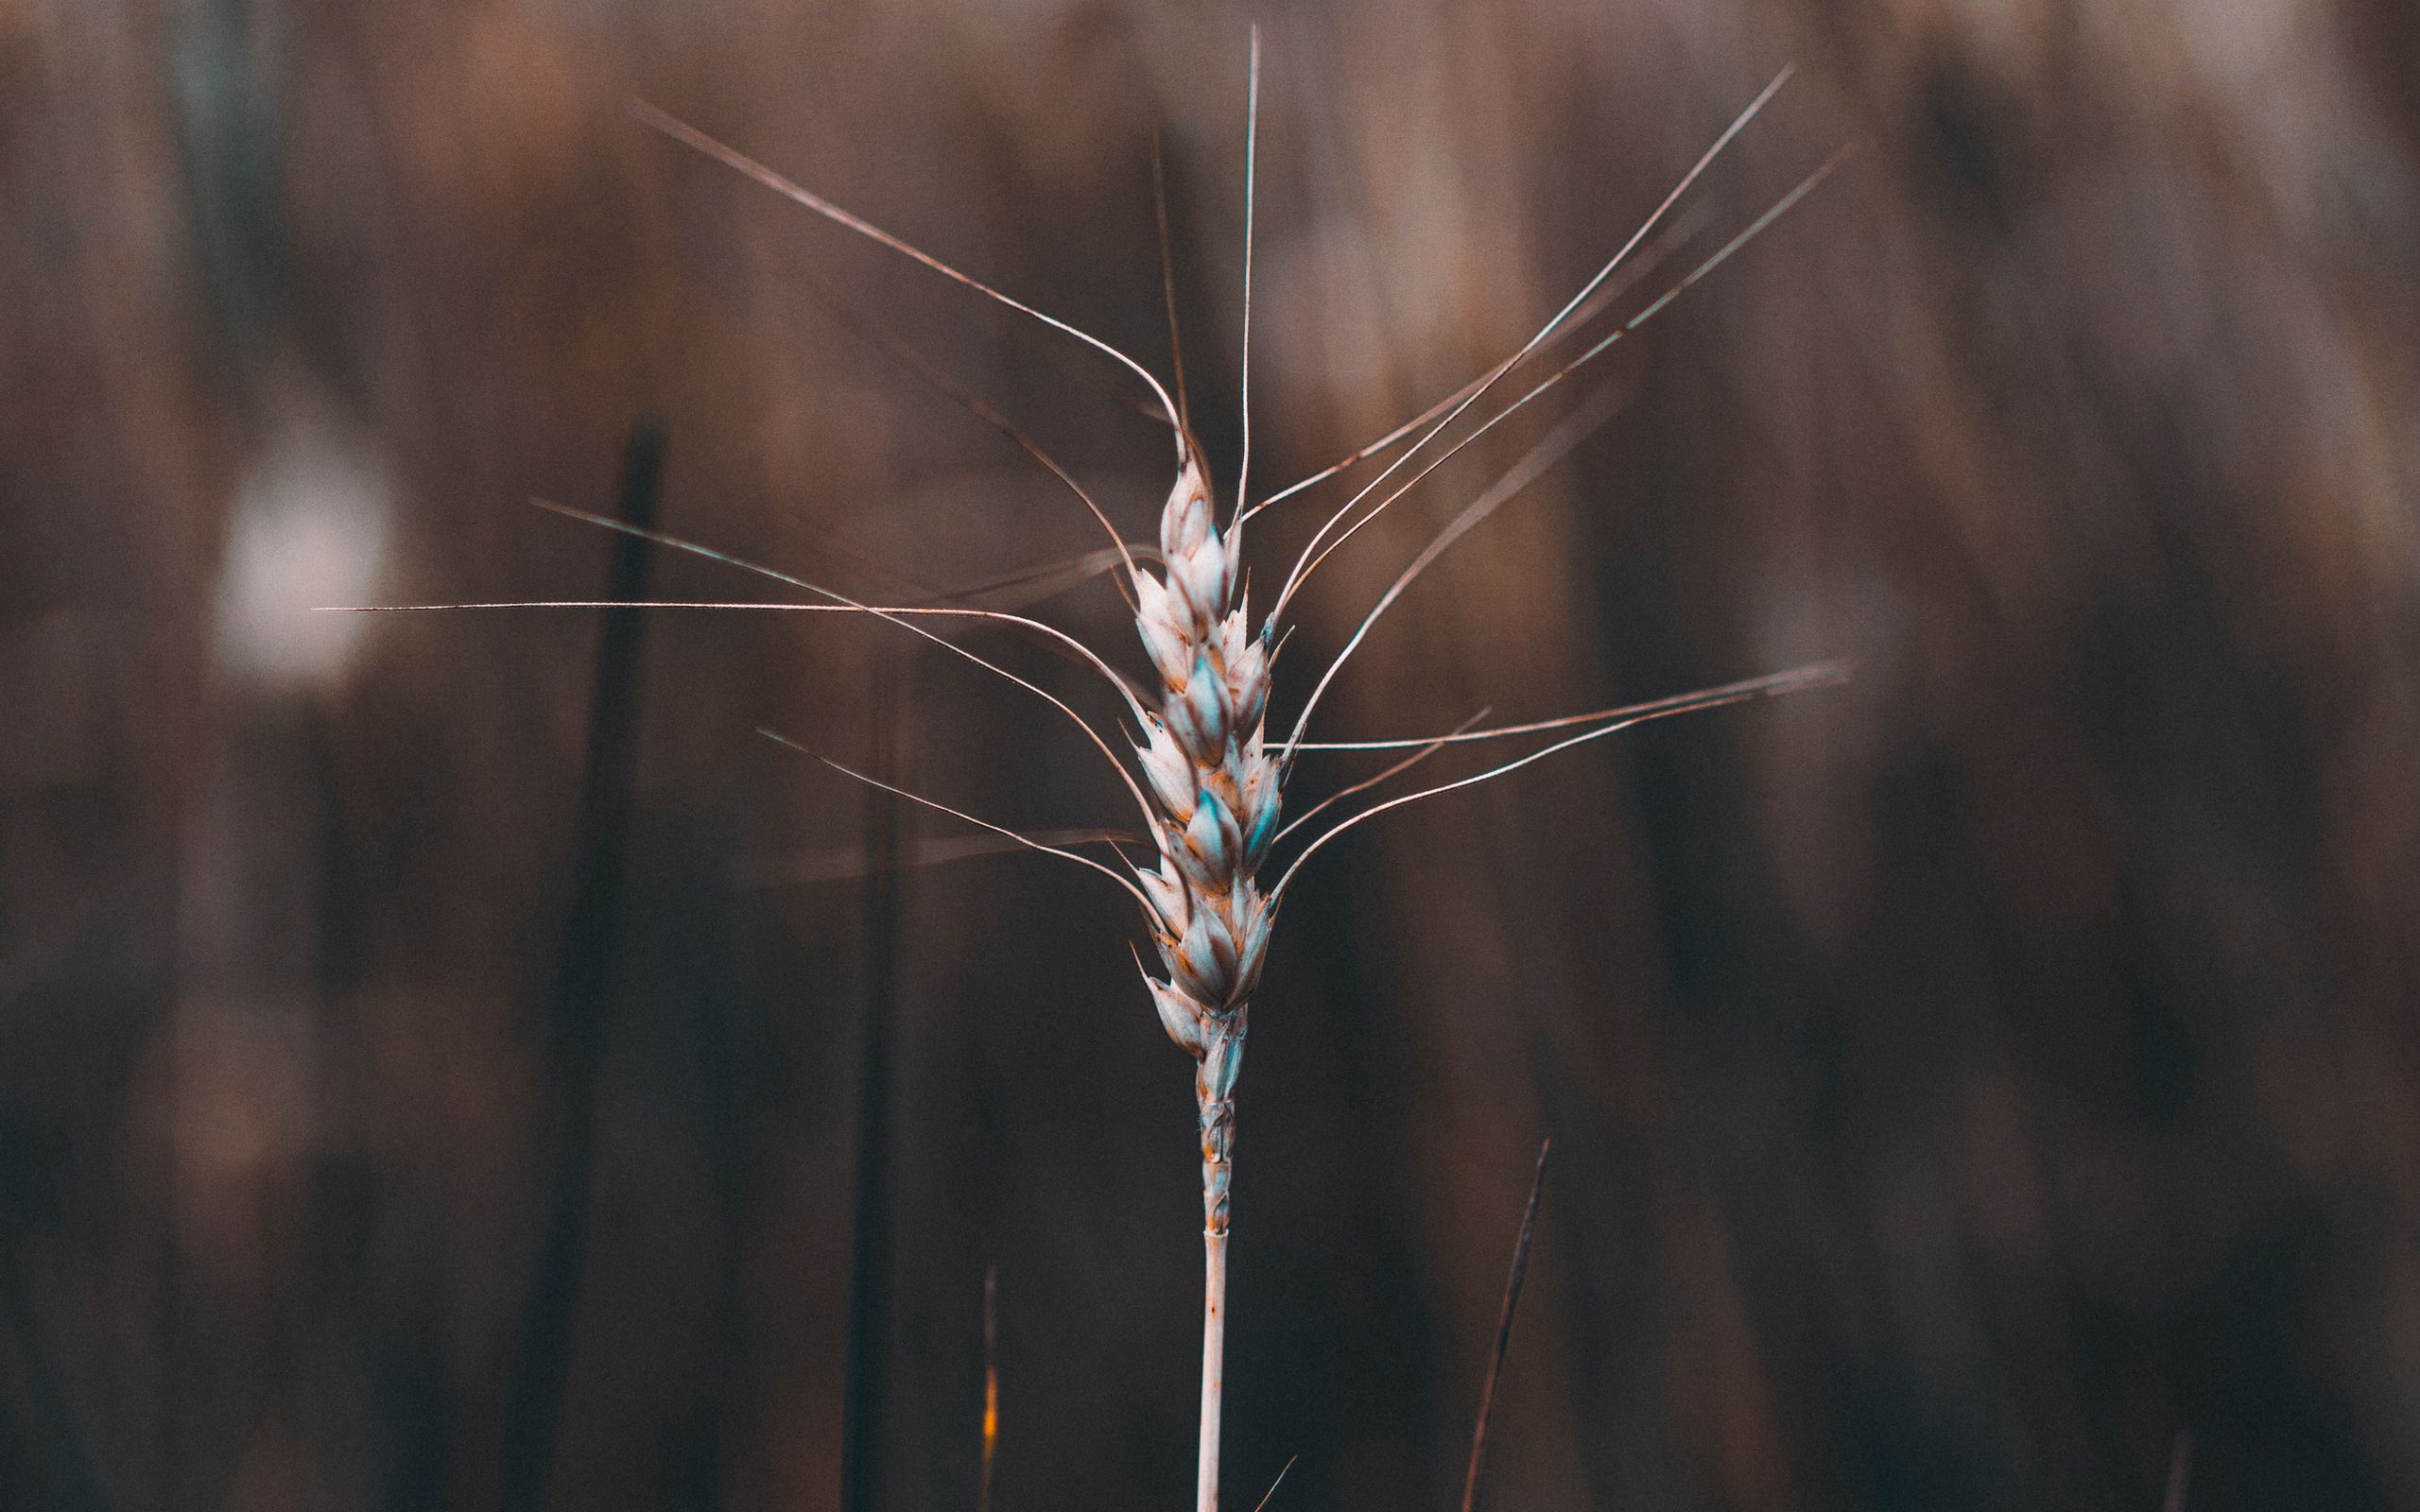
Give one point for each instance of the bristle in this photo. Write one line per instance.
(1267, 1496)
(1428, 747)
(1597, 303)
(1557, 444)
(1168, 280)
(906, 356)
(938, 807)
(1308, 564)
(1251, 166)
(1663, 710)
(730, 157)
(1814, 674)
(1546, 331)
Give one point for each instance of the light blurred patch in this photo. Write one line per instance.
(309, 529)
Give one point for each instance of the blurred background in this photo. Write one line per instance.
(452, 1060)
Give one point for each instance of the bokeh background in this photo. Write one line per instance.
(435, 1064)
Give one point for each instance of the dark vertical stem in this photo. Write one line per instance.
(696, 1441)
(575, 1013)
(865, 1408)
(51, 1432)
(2180, 1470)
(169, 1337)
(1504, 1330)
(990, 1386)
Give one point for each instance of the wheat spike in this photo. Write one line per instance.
(1205, 778)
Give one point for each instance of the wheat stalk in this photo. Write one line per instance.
(1206, 779)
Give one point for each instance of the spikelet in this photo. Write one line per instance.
(1215, 787)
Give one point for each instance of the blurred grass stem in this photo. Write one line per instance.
(576, 1014)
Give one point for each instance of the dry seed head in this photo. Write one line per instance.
(1212, 783)
(1207, 765)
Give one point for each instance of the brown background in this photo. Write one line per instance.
(1962, 1082)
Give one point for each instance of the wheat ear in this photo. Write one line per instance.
(1209, 787)
(1217, 791)
(1215, 786)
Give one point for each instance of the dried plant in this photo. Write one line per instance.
(1206, 779)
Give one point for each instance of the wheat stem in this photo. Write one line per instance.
(1218, 1116)
(1213, 1349)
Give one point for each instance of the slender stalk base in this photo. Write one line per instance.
(1213, 1349)
(1218, 1143)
